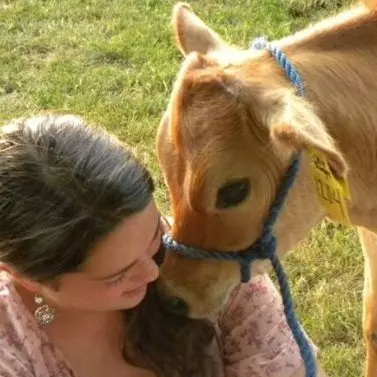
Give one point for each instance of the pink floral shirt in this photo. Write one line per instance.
(253, 337)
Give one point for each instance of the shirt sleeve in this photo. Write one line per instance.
(255, 337)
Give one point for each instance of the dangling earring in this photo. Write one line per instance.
(43, 314)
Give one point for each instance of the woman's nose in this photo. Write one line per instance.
(148, 270)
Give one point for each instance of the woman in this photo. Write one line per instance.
(79, 252)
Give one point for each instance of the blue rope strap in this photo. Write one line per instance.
(289, 69)
(265, 246)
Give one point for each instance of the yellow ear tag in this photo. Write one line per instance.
(333, 192)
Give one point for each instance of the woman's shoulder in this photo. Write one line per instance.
(11, 309)
(14, 359)
(9, 305)
(16, 323)
(25, 350)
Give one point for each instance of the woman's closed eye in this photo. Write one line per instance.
(151, 252)
(117, 280)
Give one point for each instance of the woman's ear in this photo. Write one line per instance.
(23, 280)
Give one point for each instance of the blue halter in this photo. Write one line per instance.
(265, 246)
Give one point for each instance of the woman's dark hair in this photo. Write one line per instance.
(169, 344)
(63, 186)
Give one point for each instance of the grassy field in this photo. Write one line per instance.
(114, 61)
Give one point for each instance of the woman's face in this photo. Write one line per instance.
(119, 269)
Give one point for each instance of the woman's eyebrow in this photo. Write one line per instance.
(123, 270)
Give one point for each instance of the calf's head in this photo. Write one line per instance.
(224, 144)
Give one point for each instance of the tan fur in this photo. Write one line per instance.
(371, 4)
(233, 114)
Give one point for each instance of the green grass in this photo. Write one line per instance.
(114, 63)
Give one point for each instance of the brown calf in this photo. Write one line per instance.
(231, 128)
